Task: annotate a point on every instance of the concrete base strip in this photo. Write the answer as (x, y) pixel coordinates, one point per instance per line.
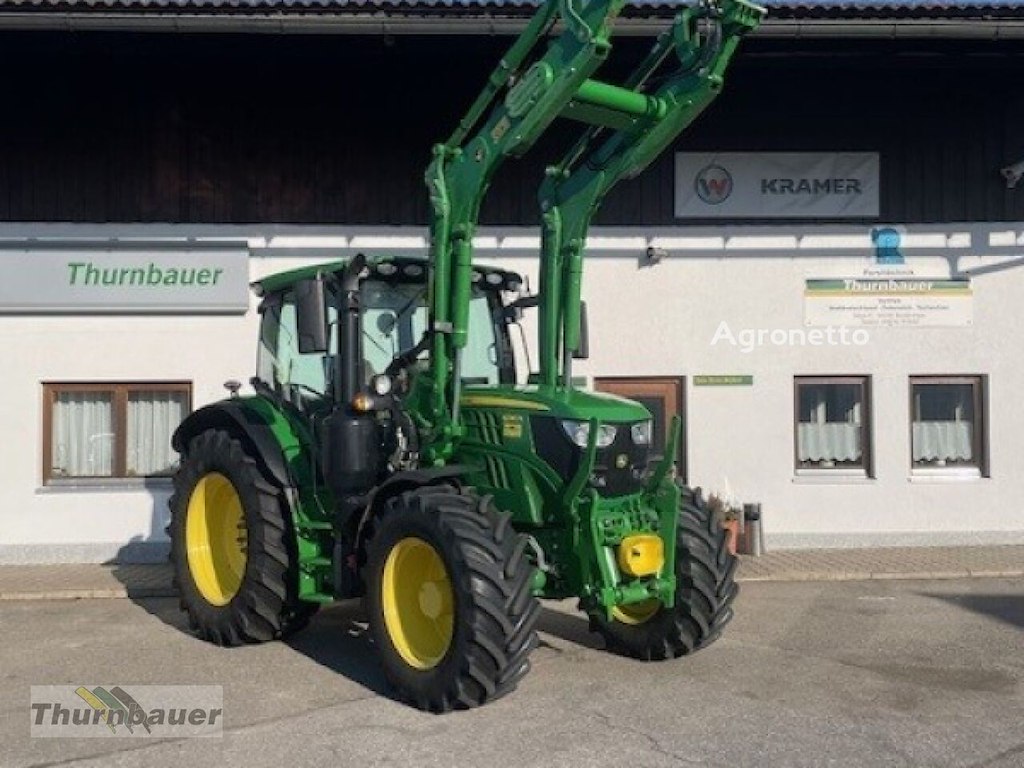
(90, 594)
(884, 576)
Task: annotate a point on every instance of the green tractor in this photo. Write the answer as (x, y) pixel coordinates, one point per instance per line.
(388, 452)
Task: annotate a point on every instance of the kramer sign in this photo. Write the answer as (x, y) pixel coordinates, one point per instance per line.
(93, 281)
(766, 185)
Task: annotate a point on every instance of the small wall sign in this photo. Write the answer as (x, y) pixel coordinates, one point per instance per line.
(888, 302)
(726, 380)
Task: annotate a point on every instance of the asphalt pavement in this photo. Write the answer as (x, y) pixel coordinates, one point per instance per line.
(860, 674)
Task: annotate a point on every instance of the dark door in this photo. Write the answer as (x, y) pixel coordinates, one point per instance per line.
(663, 397)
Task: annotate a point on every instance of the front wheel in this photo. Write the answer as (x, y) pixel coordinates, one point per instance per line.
(705, 590)
(449, 598)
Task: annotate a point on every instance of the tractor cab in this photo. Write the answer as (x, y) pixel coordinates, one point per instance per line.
(299, 365)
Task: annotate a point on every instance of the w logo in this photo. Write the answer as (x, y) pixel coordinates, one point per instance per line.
(713, 184)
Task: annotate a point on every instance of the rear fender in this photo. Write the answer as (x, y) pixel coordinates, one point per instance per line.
(245, 423)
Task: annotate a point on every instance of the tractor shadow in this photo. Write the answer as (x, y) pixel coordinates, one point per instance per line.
(336, 637)
(572, 628)
(1004, 608)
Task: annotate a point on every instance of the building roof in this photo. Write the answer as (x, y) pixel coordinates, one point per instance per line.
(989, 20)
(641, 7)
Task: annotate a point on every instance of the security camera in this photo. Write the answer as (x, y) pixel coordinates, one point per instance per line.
(1013, 174)
(654, 255)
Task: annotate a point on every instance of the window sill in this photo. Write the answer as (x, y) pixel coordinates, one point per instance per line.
(832, 477)
(946, 476)
(106, 485)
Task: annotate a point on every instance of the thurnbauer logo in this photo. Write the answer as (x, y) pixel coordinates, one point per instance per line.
(713, 184)
(115, 712)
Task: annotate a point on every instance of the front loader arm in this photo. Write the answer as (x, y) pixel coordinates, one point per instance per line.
(530, 87)
(629, 127)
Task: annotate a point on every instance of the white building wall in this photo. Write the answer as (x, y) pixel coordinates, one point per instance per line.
(645, 321)
(741, 438)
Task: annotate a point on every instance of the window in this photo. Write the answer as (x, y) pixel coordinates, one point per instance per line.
(832, 424)
(947, 424)
(394, 320)
(280, 362)
(111, 430)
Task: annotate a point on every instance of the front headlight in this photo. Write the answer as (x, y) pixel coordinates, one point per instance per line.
(641, 432)
(381, 384)
(579, 433)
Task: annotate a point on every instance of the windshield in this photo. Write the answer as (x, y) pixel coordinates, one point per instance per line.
(394, 320)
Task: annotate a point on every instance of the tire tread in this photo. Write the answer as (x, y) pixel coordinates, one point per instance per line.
(492, 578)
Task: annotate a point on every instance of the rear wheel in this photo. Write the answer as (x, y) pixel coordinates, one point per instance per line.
(705, 590)
(449, 599)
(230, 546)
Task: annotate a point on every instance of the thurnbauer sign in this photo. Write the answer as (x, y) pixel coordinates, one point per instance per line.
(126, 711)
(90, 281)
(772, 185)
(888, 302)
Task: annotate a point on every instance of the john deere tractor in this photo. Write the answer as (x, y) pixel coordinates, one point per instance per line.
(388, 452)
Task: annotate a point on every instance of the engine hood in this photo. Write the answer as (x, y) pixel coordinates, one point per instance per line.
(556, 401)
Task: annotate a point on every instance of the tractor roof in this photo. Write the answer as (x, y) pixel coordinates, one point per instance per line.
(410, 269)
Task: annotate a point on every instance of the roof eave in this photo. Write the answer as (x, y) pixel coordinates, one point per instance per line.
(788, 26)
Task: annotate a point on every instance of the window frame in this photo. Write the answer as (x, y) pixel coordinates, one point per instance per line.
(119, 391)
(979, 440)
(867, 470)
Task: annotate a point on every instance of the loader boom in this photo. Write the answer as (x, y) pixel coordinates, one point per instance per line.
(619, 144)
(529, 88)
(536, 82)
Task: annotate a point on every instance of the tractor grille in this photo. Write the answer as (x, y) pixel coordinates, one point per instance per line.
(485, 426)
(609, 479)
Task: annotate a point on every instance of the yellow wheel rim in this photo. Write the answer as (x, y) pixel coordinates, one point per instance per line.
(216, 539)
(419, 605)
(637, 613)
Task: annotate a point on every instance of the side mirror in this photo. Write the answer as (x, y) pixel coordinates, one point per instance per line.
(514, 311)
(311, 315)
(582, 351)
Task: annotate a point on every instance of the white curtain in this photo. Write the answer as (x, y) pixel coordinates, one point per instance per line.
(834, 441)
(83, 434)
(943, 441)
(152, 419)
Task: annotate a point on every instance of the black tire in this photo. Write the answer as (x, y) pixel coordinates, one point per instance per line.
(265, 606)
(705, 590)
(491, 582)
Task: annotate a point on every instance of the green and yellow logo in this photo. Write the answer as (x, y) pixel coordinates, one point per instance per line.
(114, 707)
